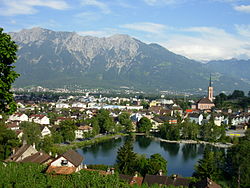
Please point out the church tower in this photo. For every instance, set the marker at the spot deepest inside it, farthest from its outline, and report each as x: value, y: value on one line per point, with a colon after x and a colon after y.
x: 210, y: 90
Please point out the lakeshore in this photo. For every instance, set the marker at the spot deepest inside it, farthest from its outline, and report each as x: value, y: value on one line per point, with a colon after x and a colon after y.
x: 216, y: 144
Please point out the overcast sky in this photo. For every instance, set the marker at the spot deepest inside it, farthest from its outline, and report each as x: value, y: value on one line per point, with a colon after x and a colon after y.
x: 198, y: 29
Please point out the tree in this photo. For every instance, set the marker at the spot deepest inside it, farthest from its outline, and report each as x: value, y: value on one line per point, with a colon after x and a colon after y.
x: 156, y: 163
x: 238, y: 163
x: 8, y: 50
x: 68, y: 128
x: 144, y: 125
x: 8, y: 140
x: 170, y: 132
x: 236, y: 94
x: 46, y: 143
x: 31, y: 132
x: 210, y: 165
x: 105, y: 122
x: 95, y: 125
x: 124, y: 119
x: 125, y: 159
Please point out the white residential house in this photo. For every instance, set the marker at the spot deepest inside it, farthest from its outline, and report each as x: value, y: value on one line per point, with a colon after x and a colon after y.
x: 79, y: 133
x: 23, y: 152
x: 218, y: 119
x: 60, y: 119
x: 62, y: 105
x: 239, y: 119
x: 156, y: 123
x: 45, y: 131
x: 40, y: 119
x: 18, y: 117
x: 195, y: 117
x: 70, y: 159
x: 79, y: 105
x: 134, y: 107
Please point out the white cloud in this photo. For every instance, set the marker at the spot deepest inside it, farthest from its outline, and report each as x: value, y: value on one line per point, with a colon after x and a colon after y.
x: 243, y: 8
x: 162, y: 2
x: 146, y: 27
x: 99, y: 33
x: 16, y: 7
x: 104, y: 7
x: 243, y: 30
x: 207, y: 43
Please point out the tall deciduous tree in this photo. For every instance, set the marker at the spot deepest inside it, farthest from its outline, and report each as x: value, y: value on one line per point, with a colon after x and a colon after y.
x: 124, y: 119
x: 32, y: 132
x: 144, y: 125
x: 8, y: 50
x: 156, y: 163
x: 68, y: 128
x: 8, y: 140
x: 105, y: 122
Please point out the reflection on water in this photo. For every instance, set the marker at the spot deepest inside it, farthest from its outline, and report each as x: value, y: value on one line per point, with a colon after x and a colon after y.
x: 189, y: 151
x: 171, y: 148
x: 181, y: 157
x: 143, y: 141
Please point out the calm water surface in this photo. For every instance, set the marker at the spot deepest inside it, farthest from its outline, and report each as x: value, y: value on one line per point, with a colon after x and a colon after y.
x: 181, y: 157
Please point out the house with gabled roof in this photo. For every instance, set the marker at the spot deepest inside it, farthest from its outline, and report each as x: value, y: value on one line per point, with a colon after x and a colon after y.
x: 24, y: 151
x: 39, y: 157
x: 175, y: 180
x: 131, y: 180
x: 196, y: 117
x: 45, y: 131
x: 81, y: 130
x: 205, y: 183
x: 18, y: 117
x: 40, y: 119
x: 67, y: 163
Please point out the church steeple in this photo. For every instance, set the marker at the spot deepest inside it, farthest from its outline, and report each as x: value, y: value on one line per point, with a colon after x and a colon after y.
x: 210, y: 90
x: 210, y: 82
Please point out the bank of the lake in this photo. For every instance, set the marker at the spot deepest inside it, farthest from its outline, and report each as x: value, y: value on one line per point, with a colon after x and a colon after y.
x: 215, y: 144
x: 181, y: 157
x: 61, y: 148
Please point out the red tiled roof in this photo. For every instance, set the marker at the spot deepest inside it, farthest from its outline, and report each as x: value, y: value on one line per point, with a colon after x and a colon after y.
x: 38, y: 116
x: 102, y: 172
x: 61, y: 170
x: 131, y: 179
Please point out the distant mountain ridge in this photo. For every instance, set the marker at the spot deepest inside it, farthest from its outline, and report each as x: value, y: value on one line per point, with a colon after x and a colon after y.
x: 56, y: 59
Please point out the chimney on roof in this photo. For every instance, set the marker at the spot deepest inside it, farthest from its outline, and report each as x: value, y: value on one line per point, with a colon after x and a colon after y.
x: 112, y: 171
x: 174, y: 176
x: 50, y: 153
x: 56, y: 155
x: 136, y: 174
x: 160, y: 172
x: 209, y: 181
x: 85, y: 166
x: 34, y: 145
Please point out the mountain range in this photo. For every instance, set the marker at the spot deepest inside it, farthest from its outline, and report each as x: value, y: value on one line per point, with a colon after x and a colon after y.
x: 58, y: 59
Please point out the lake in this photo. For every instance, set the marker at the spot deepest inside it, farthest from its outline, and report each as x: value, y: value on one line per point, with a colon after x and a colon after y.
x: 181, y: 157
